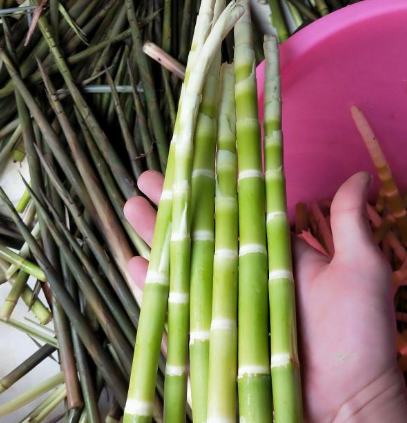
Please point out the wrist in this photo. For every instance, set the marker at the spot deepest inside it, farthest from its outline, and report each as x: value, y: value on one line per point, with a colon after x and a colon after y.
x: 384, y: 399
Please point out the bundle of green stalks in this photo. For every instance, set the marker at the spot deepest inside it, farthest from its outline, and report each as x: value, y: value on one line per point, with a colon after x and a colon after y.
x: 211, y: 271
x: 388, y: 218
x: 89, y: 93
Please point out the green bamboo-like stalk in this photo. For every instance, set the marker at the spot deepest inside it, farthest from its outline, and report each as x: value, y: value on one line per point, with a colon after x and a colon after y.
x: 178, y: 307
x: 223, y: 333
x: 66, y: 356
x: 116, y: 27
x: 74, y: 415
x: 99, y: 384
x: 25, y: 367
x: 166, y: 34
x: 89, y: 291
x: 32, y: 331
x: 37, y: 307
x: 285, y: 369
x: 119, y: 79
x: 102, y: 256
x: 92, y: 344
x: 148, y: 84
x: 22, y: 263
x: 254, y: 370
x: 185, y: 31
x: 9, y: 128
x: 53, y: 5
x: 169, y: 96
x: 322, y: 7
x: 39, y: 325
x: 166, y: 46
x: 19, y: 152
x: 47, y: 406
x: 82, y: 362
x: 202, y: 235
x: 116, y: 359
x: 61, y: 323
x: 8, y: 147
x: 29, y: 217
x: 139, y: 406
x: 31, y: 394
x: 149, y: 151
x: 295, y: 14
x: 23, y: 202
x: 74, y: 26
x: 25, y: 251
x: 14, y: 295
x: 128, y: 140
x: 278, y: 20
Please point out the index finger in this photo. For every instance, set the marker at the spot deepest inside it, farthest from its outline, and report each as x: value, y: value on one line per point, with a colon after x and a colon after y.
x: 151, y: 184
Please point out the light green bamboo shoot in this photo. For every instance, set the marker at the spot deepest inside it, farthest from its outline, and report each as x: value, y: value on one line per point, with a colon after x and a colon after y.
x: 31, y: 394
x: 285, y: 370
x: 223, y: 333
x: 254, y: 367
x: 25, y: 251
x: 202, y: 236
x: 22, y: 263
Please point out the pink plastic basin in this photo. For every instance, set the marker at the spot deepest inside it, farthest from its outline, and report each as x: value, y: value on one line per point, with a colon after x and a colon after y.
x: 357, y: 55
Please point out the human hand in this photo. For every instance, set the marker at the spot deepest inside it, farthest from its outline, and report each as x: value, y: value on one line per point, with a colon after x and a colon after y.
x: 346, y: 320
x: 345, y: 312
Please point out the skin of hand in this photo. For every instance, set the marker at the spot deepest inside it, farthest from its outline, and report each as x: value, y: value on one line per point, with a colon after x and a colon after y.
x: 345, y: 310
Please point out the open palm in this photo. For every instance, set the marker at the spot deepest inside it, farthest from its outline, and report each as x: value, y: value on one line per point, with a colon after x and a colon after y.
x: 345, y: 310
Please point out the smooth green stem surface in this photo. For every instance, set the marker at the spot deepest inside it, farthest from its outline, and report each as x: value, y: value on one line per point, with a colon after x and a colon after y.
x: 13, y: 296
x: 31, y: 394
x: 26, y: 366
x: 254, y: 367
x: 29, y: 330
x: 223, y: 334
x: 23, y: 202
x: 278, y: 20
x: 285, y: 369
x: 203, y: 247
x: 22, y: 263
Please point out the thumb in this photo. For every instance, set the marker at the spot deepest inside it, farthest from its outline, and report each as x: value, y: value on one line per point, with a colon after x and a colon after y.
x: 351, y: 232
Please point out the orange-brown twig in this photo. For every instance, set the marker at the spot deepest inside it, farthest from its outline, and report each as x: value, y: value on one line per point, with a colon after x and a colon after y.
x: 389, y: 186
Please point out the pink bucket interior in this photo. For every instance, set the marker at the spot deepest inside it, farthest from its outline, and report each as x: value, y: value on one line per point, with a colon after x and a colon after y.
x: 357, y: 55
